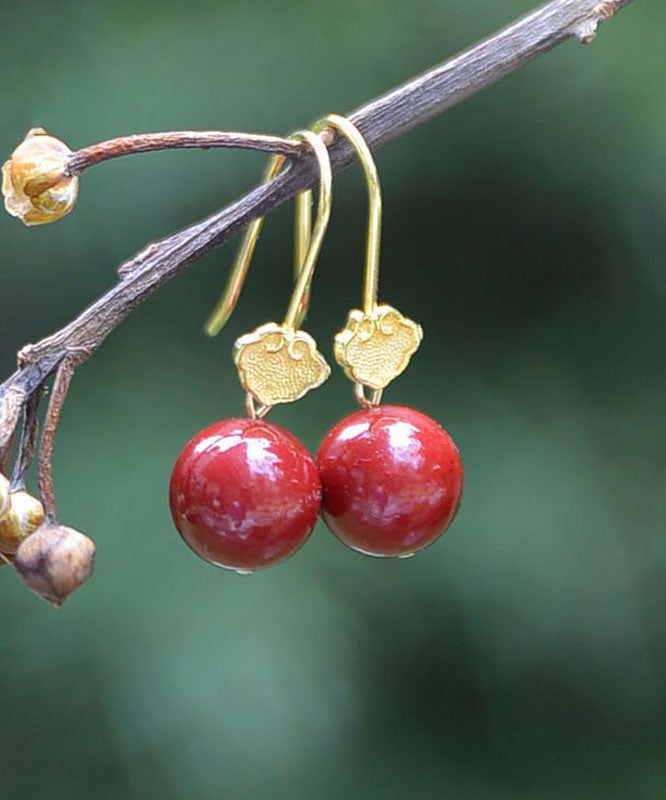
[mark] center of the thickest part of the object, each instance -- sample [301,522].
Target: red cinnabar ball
[245,494]
[392,480]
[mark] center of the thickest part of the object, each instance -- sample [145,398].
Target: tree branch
[380,121]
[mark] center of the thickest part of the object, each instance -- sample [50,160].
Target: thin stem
[5,455]
[169,140]
[12,401]
[61,384]
[26,448]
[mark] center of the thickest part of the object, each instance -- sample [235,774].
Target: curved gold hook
[278,363]
[376,343]
[302,235]
[310,244]
[373,243]
[302,239]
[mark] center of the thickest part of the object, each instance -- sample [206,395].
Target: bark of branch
[380,121]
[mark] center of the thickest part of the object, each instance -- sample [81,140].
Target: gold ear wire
[302,235]
[308,244]
[373,241]
[278,363]
[377,343]
[229,298]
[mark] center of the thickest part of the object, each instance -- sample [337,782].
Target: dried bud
[35,183]
[55,561]
[25,515]
[5,497]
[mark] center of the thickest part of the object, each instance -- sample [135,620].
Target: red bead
[392,480]
[245,494]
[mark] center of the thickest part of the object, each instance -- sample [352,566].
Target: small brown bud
[25,515]
[35,183]
[55,561]
[5,497]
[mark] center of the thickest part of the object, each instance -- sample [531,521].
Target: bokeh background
[524,655]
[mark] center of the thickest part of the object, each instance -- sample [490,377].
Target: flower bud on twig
[25,515]
[55,561]
[35,183]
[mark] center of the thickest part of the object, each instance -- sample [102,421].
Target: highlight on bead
[25,515]
[36,185]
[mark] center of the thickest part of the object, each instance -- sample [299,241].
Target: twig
[380,121]
[146,142]
[61,384]
[26,447]
[12,400]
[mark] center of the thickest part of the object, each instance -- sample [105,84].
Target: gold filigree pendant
[277,364]
[375,347]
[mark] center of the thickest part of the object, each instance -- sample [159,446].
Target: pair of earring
[245,493]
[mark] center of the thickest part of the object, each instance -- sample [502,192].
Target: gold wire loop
[255,411]
[373,243]
[302,240]
[368,402]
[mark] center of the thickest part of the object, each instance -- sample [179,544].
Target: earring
[245,493]
[391,476]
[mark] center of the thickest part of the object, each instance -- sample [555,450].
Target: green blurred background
[524,655]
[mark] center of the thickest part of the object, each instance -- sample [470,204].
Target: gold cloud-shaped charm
[375,348]
[277,364]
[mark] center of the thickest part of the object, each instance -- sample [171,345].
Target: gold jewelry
[302,236]
[376,344]
[278,363]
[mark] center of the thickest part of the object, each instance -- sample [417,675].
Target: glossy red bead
[392,479]
[245,494]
